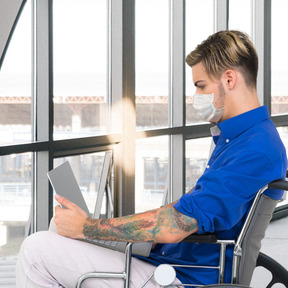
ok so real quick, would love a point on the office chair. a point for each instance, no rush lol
(245, 253)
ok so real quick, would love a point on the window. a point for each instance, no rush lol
(279, 58)
(16, 187)
(80, 68)
(197, 155)
(15, 201)
(151, 174)
(193, 19)
(15, 84)
(152, 63)
(240, 15)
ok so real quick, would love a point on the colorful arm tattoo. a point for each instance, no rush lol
(152, 225)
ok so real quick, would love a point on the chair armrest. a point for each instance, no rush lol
(278, 184)
(201, 238)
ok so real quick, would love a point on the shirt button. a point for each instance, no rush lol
(208, 166)
(163, 253)
(227, 140)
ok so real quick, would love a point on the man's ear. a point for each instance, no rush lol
(229, 78)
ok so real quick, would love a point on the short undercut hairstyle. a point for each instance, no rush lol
(228, 49)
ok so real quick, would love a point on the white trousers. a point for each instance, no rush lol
(47, 259)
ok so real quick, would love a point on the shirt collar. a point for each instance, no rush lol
(234, 126)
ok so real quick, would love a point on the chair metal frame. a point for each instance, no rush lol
(237, 253)
(125, 275)
(206, 238)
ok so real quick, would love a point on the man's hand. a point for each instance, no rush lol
(69, 222)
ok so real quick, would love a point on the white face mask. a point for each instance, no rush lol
(206, 111)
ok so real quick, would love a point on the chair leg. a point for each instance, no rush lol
(128, 254)
(124, 275)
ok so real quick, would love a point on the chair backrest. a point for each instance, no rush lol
(253, 231)
(253, 237)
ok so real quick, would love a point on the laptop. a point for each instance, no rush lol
(65, 184)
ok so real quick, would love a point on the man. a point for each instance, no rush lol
(248, 155)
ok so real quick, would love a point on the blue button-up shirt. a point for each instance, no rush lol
(248, 155)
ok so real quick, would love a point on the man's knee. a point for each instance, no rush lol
(32, 243)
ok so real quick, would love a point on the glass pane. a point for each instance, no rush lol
(152, 63)
(240, 15)
(197, 154)
(87, 169)
(151, 172)
(279, 58)
(15, 84)
(15, 203)
(194, 36)
(80, 67)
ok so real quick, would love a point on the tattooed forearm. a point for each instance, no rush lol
(120, 230)
(156, 225)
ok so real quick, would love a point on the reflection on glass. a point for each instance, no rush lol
(197, 155)
(152, 63)
(15, 84)
(279, 58)
(240, 15)
(151, 172)
(15, 202)
(87, 169)
(198, 13)
(80, 67)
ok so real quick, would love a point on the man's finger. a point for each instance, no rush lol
(64, 202)
(57, 207)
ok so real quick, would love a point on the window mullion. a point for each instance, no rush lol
(221, 15)
(262, 40)
(123, 102)
(176, 100)
(42, 112)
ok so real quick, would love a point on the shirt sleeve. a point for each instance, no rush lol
(222, 195)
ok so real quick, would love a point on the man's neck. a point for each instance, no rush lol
(240, 102)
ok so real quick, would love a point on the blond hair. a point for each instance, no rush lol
(227, 50)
